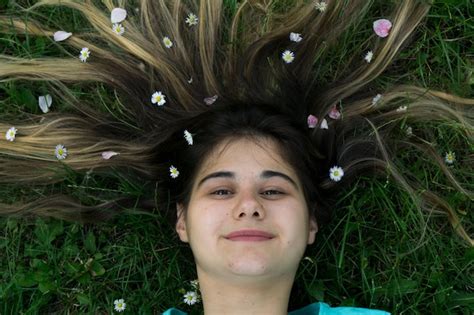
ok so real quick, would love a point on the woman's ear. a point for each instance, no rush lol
(313, 229)
(181, 223)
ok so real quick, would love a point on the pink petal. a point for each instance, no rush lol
(382, 27)
(108, 154)
(61, 35)
(312, 121)
(210, 100)
(118, 15)
(334, 113)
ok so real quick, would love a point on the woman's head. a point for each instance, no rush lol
(247, 216)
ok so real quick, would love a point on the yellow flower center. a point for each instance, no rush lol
(60, 151)
(336, 173)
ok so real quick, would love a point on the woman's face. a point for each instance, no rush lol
(246, 186)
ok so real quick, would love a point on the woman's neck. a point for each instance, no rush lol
(235, 297)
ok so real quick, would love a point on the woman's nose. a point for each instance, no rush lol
(249, 206)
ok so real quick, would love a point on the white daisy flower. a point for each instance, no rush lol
(402, 109)
(189, 137)
(336, 173)
(376, 99)
(288, 56)
(60, 152)
(11, 134)
(118, 29)
(450, 157)
(192, 19)
(320, 6)
(85, 53)
(120, 305)
(368, 56)
(174, 172)
(190, 297)
(158, 98)
(167, 41)
(295, 37)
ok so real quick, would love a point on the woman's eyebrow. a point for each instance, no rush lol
(268, 174)
(217, 175)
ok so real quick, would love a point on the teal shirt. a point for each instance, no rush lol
(317, 308)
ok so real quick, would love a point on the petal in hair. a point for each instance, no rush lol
(59, 36)
(312, 121)
(118, 15)
(108, 154)
(44, 102)
(334, 113)
(382, 27)
(210, 100)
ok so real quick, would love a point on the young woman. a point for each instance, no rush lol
(244, 127)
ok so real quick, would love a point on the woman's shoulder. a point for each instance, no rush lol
(317, 308)
(320, 308)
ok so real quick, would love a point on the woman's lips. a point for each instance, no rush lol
(249, 236)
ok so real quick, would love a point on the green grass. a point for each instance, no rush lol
(372, 254)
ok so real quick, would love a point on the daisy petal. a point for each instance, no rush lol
(118, 15)
(61, 35)
(334, 113)
(324, 124)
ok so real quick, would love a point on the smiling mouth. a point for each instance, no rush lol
(249, 238)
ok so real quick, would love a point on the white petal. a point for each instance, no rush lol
(61, 35)
(324, 124)
(118, 15)
(108, 154)
(45, 102)
(210, 100)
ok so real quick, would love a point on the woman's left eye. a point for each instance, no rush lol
(272, 192)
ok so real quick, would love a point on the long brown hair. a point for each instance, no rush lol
(233, 53)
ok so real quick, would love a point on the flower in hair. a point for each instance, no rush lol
(11, 134)
(189, 137)
(120, 305)
(174, 172)
(118, 15)
(60, 152)
(44, 102)
(85, 53)
(368, 56)
(376, 99)
(450, 157)
(336, 173)
(402, 109)
(118, 29)
(295, 37)
(167, 41)
(190, 297)
(192, 19)
(324, 124)
(288, 56)
(382, 27)
(210, 100)
(106, 155)
(334, 113)
(158, 98)
(320, 6)
(59, 36)
(312, 121)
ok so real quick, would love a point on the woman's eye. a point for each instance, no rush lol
(272, 192)
(222, 192)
